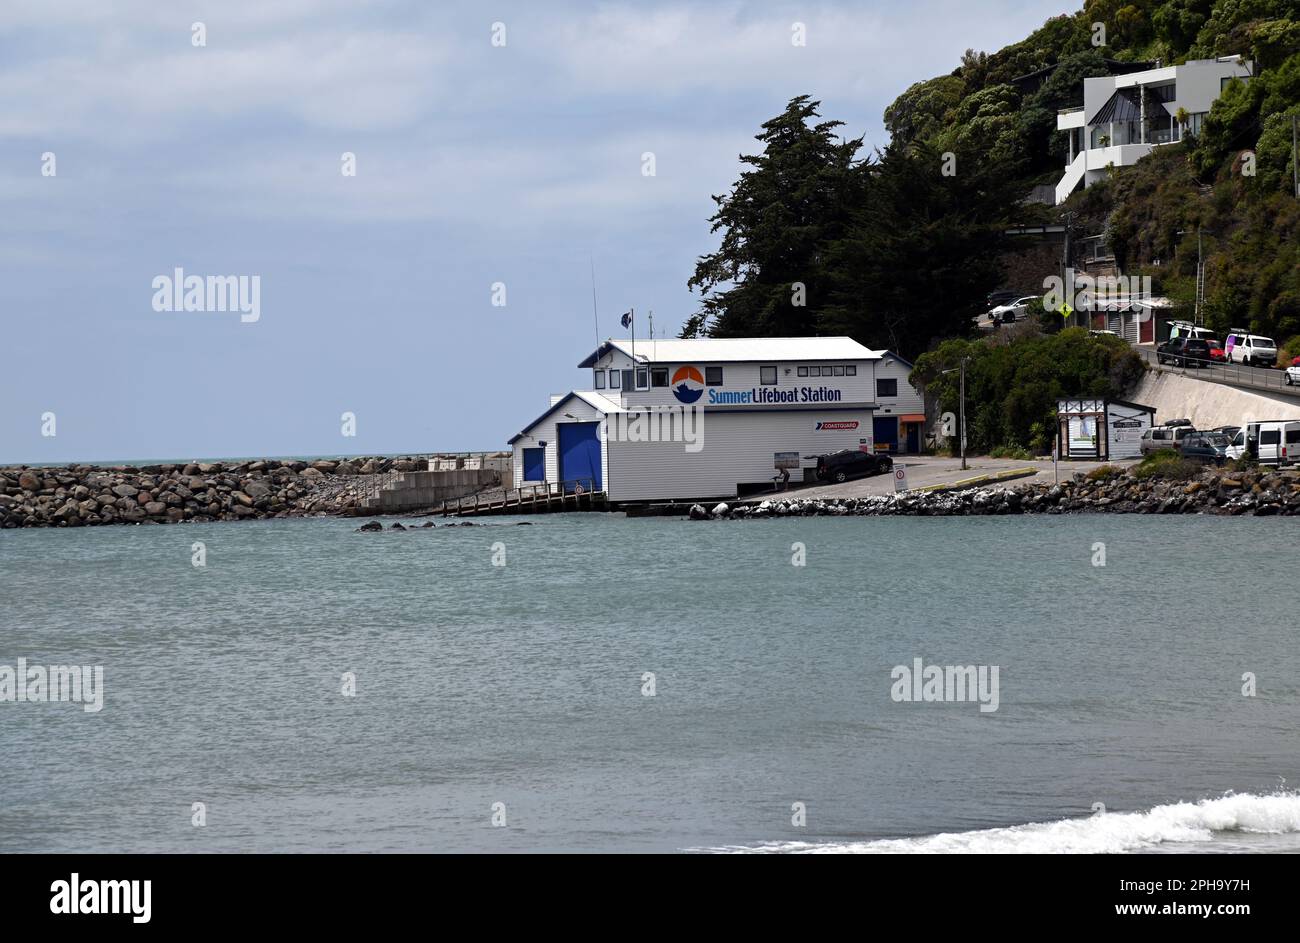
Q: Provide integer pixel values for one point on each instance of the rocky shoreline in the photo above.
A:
(90, 495)
(1260, 492)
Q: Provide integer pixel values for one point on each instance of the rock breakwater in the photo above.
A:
(1260, 491)
(90, 495)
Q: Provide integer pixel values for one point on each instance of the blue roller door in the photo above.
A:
(885, 432)
(580, 454)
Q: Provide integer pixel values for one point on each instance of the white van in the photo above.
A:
(1250, 349)
(1272, 443)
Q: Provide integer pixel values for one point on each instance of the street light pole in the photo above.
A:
(961, 421)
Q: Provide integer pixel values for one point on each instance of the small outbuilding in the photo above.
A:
(1101, 429)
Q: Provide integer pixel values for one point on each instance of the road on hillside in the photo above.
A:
(1255, 379)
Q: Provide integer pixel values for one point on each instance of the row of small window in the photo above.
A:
(833, 371)
(645, 378)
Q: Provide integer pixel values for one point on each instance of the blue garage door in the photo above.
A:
(534, 464)
(580, 453)
(885, 432)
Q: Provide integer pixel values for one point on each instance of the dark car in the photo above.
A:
(1184, 352)
(1210, 448)
(851, 463)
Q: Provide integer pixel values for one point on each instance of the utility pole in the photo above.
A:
(1200, 279)
(1295, 157)
(961, 421)
(1067, 272)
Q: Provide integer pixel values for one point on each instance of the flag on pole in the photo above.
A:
(626, 320)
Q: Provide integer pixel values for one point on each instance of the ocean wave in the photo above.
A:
(1105, 833)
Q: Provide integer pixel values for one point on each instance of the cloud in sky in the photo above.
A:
(475, 164)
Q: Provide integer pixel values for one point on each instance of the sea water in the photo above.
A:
(593, 683)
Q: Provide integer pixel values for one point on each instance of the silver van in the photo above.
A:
(1164, 437)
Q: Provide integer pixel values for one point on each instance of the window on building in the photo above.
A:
(803, 371)
(614, 378)
(627, 379)
(713, 376)
(767, 376)
(600, 379)
(851, 370)
(886, 387)
(839, 371)
(642, 378)
(814, 371)
(658, 376)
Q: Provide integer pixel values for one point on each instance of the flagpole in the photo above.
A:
(632, 312)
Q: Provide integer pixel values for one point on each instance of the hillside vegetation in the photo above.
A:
(899, 248)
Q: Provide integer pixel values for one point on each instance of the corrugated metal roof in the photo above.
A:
(597, 401)
(737, 349)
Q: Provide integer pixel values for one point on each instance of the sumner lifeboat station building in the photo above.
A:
(717, 417)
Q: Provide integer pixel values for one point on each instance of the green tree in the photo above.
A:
(768, 276)
(922, 252)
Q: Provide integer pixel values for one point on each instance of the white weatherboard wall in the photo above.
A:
(908, 400)
(547, 431)
(738, 377)
(738, 448)
(1126, 426)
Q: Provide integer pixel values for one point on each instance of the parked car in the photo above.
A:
(850, 463)
(1217, 353)
(1016, 310)
(1253, 350)
(1292, 376)
(1164, 437)
(1270, 443)
(1184, 352)
(1208, 447)
(1002, 296)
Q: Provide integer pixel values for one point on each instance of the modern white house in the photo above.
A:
(1125, 117)
(716, 417)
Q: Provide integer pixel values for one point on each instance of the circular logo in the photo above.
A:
(688, 384)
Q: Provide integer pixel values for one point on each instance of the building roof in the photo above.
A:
(736, 350)
(597, 401)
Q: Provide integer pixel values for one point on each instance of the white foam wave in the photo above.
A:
(1106, 833)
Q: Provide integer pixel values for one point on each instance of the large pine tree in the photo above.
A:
(768, 276)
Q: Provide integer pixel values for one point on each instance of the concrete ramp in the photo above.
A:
(1208, 404)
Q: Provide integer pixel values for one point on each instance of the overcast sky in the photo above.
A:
(475, 164)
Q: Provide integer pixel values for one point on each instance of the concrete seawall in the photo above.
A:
(427, 489)
(1207, 404)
